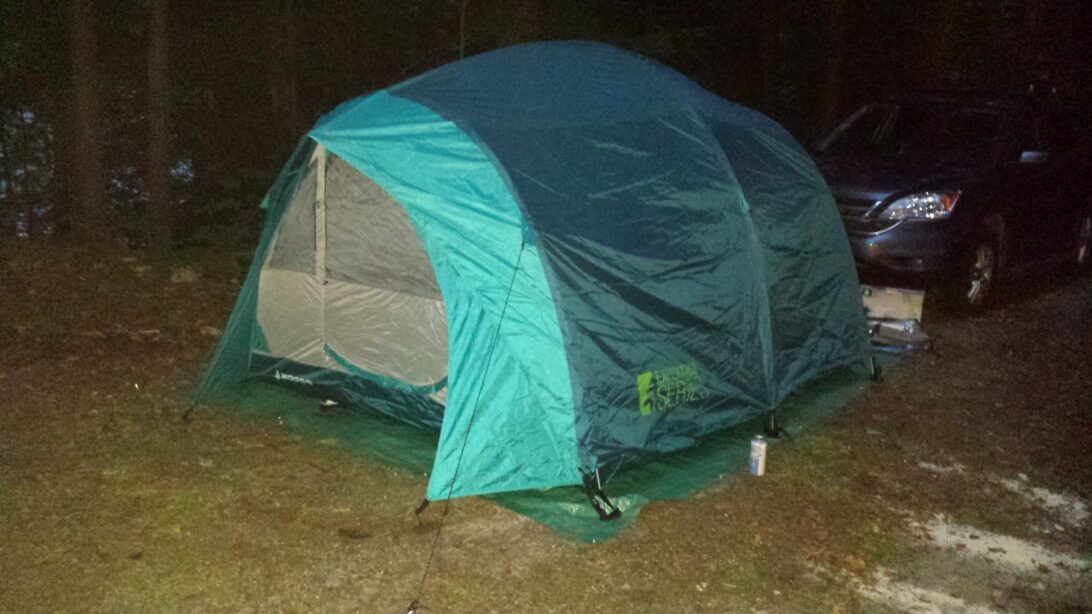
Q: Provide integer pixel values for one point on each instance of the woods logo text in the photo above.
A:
(286, 377)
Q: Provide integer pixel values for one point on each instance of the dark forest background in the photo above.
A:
(161, 122)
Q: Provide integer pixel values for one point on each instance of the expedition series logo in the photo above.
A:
(279, 376)
(666, 388)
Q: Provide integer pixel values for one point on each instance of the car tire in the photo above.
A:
(1080, 259)
(970, 287)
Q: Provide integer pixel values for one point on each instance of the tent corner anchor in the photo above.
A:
(186, 417)
(774, 430)
(877, 370)
(420, 509)
(592, 488)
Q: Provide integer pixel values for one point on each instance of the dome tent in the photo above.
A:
(563, 255)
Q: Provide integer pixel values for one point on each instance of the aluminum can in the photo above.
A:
(758, 456)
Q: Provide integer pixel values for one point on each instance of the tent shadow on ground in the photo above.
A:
(719, 456)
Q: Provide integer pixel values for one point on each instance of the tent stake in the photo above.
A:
(774, 430)
(599, 501)
(186, 416)
(420, 509)
(877, 371)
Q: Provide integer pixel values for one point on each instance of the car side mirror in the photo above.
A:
(1032, 156)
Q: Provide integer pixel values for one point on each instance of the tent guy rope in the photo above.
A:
(415, 605)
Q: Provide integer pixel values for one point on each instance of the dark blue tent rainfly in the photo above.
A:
(564, 255)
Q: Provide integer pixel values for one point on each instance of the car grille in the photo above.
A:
(853, 217)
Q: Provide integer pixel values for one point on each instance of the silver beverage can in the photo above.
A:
(758, 456)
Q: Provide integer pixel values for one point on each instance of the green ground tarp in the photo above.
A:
(373, 437)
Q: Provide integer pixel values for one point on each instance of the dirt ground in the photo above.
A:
(960, 484)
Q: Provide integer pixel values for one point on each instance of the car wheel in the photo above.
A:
(971, 286)
(1082, 251)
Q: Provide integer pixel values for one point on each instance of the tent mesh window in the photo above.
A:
(384, 311)
(294, 246)
(289, 291)
(348, 285)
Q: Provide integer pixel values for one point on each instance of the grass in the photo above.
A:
(108, 503)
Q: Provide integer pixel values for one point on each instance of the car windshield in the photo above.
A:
(923, 132)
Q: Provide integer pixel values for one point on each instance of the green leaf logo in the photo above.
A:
(644, 381)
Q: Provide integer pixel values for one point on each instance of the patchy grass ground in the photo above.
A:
(960, 484)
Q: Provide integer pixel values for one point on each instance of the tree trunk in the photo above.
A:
(159, 161)
(528, 20)
(769, 56)
(90, 223)
(291, 70)
(832, 82)
(280, 58)
(62, 185)
(1034, 46)
(944, 63)
(12, 205)
(462, 29)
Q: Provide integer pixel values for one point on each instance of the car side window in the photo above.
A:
(859, 133)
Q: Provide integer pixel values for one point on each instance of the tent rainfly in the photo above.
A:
(563, 255)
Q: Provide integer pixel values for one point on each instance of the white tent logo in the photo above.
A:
(279, 376)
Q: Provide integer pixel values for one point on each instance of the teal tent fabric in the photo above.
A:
(509, 411)
(628, 263)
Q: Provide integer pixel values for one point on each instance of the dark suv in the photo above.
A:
(954, 193)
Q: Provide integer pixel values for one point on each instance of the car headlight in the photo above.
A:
(922, 206)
